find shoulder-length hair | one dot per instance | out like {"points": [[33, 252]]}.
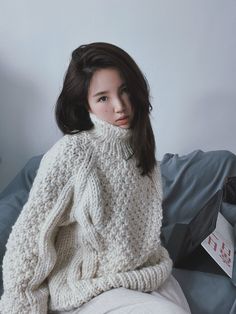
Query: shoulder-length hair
{"points": [[72, 106]]}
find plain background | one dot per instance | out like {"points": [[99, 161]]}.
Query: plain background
{"points": [[185, 48]]}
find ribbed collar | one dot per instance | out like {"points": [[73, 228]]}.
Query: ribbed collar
{"points": [[111, 138]]}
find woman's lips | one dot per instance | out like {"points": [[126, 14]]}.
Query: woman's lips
{"points": [[123, 121]]}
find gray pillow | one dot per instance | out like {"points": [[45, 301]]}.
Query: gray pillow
{"points": [[189, 181]]}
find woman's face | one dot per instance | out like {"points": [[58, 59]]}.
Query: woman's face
{"points": [[108, 97]]}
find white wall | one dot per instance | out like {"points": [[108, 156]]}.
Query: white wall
{"points": [[186, 49]]}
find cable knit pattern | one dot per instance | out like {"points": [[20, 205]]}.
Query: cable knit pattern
{"points": [[91, 223]]}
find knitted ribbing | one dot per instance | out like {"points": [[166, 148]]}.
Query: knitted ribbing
{"points": [[93, 228], [112, 138]]}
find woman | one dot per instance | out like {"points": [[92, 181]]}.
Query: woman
{"points": [[88, 238]]}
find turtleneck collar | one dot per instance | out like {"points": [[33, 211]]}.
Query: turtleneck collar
{"points": [[111, 137]]}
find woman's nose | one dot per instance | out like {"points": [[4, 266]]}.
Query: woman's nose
{"points": [[119, 105]]}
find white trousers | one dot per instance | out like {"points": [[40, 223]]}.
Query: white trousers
{"points": [[168, 299]]}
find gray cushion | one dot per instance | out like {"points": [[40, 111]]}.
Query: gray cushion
{"points": [[188, 182]]}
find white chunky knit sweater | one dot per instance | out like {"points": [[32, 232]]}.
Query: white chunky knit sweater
{"points": [[91, 223]]}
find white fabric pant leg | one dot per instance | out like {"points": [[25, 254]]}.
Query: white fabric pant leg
{"points": [[172, 291], [168, 299]]}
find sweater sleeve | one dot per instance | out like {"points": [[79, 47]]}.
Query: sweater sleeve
{"points": [[22, 254]]}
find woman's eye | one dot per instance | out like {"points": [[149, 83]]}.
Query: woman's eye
{"points": [[102, 98], [125, 89]]}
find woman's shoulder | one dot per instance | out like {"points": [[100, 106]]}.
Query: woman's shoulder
{"points": [[67, 149]]}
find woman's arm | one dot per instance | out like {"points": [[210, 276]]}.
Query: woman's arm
{"points": [[23, 291]]}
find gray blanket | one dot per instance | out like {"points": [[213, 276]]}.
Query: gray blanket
{"points": [[188, 182]]}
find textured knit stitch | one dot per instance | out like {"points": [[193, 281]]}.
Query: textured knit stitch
{"points": [[91, 223]]}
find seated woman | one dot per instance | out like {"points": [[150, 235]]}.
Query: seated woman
{"points": [[88, 238]]}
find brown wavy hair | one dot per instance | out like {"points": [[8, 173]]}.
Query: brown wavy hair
{"points": [[71, 110]]}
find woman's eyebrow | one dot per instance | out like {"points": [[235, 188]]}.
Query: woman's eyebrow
{"points": [[107, 92]]}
